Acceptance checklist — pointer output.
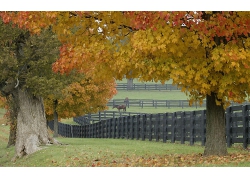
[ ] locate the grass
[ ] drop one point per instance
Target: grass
(89, 152)
(156, 95)
(158, 109)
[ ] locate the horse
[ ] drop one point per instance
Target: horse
(119, 107)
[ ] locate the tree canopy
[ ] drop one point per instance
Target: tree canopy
(205, 53)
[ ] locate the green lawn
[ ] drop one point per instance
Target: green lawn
(92, 152)
(155, 95)
(153, 110)
(145, 94)
(88, 152)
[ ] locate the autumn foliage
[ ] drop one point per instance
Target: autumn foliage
(205, 53)
(86, 96)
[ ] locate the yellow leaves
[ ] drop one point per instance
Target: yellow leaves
(242, 80)
(213, 82)
(162, 46)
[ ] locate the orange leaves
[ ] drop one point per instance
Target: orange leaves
(32, 21)
(89, 95)
(172, 160)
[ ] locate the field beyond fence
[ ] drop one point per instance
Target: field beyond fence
(178, 126)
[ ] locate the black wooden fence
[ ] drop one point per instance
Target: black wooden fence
(93, 118)
(150, 87)
(154, 103)
(161, 103)
(178, 126)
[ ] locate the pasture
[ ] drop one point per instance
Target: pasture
(156, 95)
(98, 152)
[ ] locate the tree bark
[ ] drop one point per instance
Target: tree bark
(31, 124)
(13, 120)
(215, 128)
(130, 83)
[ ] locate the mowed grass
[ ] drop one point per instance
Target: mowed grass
(95, 152)
(153, 110)
(156, 94)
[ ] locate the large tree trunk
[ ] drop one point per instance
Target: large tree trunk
(215, 128)
(31, 124)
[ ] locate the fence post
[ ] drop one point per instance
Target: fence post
(150, 127)
(173, 127)
(164, 127)
(89, 116)
(102, 128)
(109, 128)
(131, 120)
(203, 128)
(143, 127)
(157, 121)
(182, 127)
(229, 126)
(137, 126)
(245, 125)
(118, 128)
(126, 129)
(114, 127)
(71, 130)
(100, 117)
(192, 117)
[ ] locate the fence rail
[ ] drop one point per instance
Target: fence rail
(93, 118)
(178, 126)
(124, 86)
(160, 103)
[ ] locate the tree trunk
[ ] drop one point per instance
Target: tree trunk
(12, 135)
(31, 124)
(55, 119)
(215, 128)
(130, 83)
(13, 120)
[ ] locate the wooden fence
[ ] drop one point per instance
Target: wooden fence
(93, 118)
(160, 103)
(178, 126)
(150, 87)
(238, 125)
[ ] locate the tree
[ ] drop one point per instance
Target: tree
(205, 53)
(82, 96)
(27, 79)
(24, 63)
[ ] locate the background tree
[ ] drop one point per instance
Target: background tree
(84, 95)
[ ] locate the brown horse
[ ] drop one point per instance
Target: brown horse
(119, 107)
